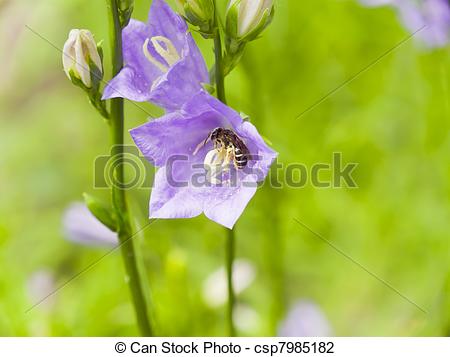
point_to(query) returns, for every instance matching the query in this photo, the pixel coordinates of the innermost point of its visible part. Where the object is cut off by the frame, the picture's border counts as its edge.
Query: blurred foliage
(393, 119)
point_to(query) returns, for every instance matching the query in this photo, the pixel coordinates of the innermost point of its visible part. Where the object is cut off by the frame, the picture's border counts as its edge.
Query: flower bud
(246, 19)
(81, 58)
(125, 10)
(199, 13)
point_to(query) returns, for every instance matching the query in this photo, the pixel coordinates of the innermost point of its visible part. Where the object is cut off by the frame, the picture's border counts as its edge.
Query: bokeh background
(392, 119)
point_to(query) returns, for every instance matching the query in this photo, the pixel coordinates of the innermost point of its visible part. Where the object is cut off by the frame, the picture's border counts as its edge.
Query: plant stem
(220, 80)
(220, 88)
(119, 200)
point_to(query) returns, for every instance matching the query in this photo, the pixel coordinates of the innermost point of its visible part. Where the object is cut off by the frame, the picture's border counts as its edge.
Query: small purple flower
(80, 226)
(180, 143)
(433, 14)
(162, 62)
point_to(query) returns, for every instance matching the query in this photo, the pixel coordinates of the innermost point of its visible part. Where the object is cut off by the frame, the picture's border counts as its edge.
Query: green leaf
(101, 211)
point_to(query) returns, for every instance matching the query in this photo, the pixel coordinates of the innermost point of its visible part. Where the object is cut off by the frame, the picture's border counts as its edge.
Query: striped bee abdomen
(226, 139)
(240, 158)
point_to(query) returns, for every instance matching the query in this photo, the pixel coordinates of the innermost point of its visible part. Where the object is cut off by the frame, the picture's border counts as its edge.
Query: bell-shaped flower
(210, 161)
(162, 62)
(79, 54)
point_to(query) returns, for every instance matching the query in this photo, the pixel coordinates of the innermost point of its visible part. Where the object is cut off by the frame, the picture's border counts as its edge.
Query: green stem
(220, 80)
(220, 88)
(119, 200)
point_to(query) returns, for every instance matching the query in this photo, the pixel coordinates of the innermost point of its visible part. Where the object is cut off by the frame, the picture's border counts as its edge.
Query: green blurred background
(393, 120)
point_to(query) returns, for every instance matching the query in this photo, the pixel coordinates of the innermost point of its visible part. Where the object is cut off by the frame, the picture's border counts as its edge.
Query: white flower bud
(79, 52)
(247, 18)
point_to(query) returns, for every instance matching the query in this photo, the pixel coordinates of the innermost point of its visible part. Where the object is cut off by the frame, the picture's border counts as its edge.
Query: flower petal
(248, 13)
(174, 196)
(68, 56)
(91, 47)
(225, 205)
(134, 81)
(262, 155)
(81, 65)
(168, 200)
(183, 80)
(176, 133)
(127, 84)
(163, 21)
(203, 102)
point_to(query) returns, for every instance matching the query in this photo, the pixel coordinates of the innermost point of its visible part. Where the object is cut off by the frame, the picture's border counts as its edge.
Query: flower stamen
(218, 161)
(168, 52)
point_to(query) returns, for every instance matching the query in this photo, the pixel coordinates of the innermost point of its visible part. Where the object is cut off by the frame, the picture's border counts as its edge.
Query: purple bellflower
(162, 62)
(181, 144)
(431, 17)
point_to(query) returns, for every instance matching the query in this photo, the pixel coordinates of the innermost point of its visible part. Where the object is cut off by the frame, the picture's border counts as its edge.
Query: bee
(230, 145)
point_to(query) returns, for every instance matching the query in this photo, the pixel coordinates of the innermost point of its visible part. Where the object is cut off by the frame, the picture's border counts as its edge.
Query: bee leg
(229, 158)
(202, 144)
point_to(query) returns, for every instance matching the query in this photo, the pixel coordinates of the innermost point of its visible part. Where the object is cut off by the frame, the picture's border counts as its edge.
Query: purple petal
(128, 84)
(168, 201)
(203, 102)
(224, 205)
(263, 155)
(135, 80)
(436, 15)
(183, 80)
(163, 21)
(177, 133)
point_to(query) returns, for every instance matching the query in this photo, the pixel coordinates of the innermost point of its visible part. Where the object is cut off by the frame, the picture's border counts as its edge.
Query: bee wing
(246, 152)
